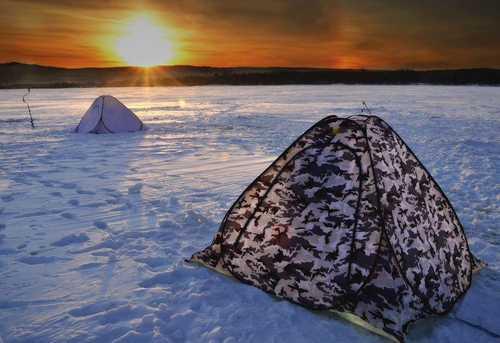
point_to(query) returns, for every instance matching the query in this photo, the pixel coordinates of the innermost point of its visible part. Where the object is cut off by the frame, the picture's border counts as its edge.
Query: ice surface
(94, 228)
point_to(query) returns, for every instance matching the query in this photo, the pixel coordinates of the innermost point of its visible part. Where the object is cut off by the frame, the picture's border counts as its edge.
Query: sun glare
(145, 43)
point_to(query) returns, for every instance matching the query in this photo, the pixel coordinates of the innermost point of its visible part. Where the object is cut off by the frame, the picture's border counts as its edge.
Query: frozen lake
(94, 228)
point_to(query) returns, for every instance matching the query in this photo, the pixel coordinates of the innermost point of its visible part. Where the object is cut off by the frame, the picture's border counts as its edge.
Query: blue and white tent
(108, 115)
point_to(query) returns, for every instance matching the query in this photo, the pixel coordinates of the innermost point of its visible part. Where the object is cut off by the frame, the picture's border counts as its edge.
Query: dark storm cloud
(427, 34)
(286, 16)
(292, 17)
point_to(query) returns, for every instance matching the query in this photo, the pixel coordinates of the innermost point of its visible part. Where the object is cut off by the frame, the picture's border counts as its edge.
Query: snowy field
(94, 229)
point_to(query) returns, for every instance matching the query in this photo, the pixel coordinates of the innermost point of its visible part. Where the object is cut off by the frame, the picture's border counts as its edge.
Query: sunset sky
(383, 34)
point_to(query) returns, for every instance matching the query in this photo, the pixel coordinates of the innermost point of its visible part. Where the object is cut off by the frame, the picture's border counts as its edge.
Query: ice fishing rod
(29, 109)
(365, 108)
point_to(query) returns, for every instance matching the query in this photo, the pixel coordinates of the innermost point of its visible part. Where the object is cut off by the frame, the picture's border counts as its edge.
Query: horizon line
(249, 67)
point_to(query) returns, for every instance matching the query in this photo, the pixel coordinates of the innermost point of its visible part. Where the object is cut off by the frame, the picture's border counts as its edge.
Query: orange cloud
(316, 33)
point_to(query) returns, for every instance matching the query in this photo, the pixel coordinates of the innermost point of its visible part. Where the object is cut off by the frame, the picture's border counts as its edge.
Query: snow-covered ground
(94, 228)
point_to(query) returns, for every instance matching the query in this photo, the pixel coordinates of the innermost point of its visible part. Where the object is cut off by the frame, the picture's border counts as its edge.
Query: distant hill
(19, 75)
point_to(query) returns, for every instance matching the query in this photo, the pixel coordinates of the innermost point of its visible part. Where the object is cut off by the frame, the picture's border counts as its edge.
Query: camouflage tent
(348, 219)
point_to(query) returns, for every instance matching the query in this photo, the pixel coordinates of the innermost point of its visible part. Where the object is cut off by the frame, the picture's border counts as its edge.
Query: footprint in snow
(109, 190)
(165, 224)
(81, 191)
(33, 260)
(101, 224)
(46, 183)
(8, 197)
(56, 194)
(74, 202)
(135, 189)
(88, 266)
(68, 215)
(112, 201)
(71, 239)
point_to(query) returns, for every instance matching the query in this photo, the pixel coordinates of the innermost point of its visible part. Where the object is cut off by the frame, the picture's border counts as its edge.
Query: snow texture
(94, 229)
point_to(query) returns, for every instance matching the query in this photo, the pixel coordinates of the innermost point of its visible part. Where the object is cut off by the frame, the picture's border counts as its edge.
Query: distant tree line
(17, 75)
(398, 77)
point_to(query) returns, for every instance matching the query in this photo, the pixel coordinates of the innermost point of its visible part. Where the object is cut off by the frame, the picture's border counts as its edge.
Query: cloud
(323, 33)
(426, 34)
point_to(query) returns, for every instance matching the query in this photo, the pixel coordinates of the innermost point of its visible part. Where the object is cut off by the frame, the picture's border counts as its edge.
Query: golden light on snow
(145, 43)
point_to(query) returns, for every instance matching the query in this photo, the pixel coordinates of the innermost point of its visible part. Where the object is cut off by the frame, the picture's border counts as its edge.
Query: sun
(144, 43)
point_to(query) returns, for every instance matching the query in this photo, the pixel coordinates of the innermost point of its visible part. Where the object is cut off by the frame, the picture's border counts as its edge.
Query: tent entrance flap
(92, 117)
(307, 196)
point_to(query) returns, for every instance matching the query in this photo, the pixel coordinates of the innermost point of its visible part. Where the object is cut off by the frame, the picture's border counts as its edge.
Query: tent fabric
(108, 115)
(348, 219)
